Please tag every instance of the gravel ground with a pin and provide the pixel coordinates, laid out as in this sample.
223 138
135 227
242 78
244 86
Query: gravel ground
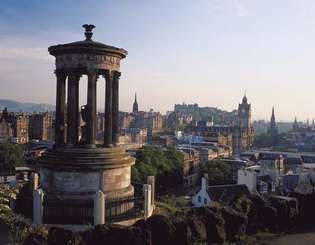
4 235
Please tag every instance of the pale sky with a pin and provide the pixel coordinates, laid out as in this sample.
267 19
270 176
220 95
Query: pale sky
203 51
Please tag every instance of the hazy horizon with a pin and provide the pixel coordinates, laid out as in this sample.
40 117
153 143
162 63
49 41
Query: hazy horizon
207 52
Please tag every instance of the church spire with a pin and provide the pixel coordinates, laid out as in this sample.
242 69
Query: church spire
135 108
273 119
273 128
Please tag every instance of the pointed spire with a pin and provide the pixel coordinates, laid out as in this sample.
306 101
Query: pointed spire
273 113
135 107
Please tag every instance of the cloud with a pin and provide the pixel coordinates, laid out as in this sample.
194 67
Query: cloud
231 7
20 52
240 8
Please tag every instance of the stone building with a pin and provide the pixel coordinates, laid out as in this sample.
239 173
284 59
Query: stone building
133 137
152 121
191 166
20 128
219 134
5 126
243 131
126 120
41 126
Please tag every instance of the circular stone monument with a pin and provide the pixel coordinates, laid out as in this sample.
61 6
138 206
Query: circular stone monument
75 169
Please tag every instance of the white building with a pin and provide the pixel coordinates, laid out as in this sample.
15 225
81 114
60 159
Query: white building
218 193
248 178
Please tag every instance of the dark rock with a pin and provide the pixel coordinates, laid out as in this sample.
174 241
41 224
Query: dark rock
24 201
162 230
197 226
115 234
35 239
306 204
60 236
286 213
182 234
235 223
214 224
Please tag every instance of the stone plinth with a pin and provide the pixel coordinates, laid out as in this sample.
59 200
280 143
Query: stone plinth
78 173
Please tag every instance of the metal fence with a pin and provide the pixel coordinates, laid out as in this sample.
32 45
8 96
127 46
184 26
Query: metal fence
68 211
120 209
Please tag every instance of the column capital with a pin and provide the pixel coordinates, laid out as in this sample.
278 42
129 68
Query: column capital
116 75
60 73
92 72
108 75
74 75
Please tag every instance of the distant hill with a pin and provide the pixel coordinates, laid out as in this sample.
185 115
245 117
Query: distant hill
15 106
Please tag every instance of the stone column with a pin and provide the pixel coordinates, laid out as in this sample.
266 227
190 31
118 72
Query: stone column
147 201
115 104
38 197
151 182
99 208
73 109
91 104
34 181
60 109
108 138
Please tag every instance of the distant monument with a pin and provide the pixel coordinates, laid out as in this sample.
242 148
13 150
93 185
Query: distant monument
74 170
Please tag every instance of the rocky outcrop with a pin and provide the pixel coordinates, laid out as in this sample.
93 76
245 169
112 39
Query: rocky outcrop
35 239
114 234
58 236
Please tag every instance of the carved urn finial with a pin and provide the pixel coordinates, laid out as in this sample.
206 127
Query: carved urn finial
88 31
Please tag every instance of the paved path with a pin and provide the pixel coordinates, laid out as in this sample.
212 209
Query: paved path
4 235
296 239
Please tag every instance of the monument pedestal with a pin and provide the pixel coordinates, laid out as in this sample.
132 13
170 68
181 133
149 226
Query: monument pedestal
71 177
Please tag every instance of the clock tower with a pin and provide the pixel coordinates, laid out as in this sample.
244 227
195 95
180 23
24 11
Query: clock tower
243 131
244 113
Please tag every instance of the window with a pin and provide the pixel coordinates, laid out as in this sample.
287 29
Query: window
205 201
199 198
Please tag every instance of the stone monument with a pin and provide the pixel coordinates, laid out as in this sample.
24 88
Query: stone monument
75 170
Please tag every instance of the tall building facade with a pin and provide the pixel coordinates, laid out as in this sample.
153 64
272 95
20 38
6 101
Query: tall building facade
20 128
5 126
243 131
41 126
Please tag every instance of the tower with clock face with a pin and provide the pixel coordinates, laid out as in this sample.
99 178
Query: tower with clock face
244 113
243 131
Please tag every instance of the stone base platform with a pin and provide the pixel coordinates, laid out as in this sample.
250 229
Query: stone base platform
71 177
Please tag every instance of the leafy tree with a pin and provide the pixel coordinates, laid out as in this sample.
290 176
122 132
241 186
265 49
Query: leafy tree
165 165
263 140
11 155
219 172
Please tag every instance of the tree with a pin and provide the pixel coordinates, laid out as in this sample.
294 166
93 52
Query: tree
219 172
263 140
11 155
165 165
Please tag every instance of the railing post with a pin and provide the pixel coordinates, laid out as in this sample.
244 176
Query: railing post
34 181
147 201
38 197
99 208
151 181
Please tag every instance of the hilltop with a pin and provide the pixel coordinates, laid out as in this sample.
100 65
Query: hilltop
16 106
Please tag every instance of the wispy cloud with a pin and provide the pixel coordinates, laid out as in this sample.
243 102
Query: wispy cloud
232 7
240 9
20 52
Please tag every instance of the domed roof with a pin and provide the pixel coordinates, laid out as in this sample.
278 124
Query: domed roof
86 46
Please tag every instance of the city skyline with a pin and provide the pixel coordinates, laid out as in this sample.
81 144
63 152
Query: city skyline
208 52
